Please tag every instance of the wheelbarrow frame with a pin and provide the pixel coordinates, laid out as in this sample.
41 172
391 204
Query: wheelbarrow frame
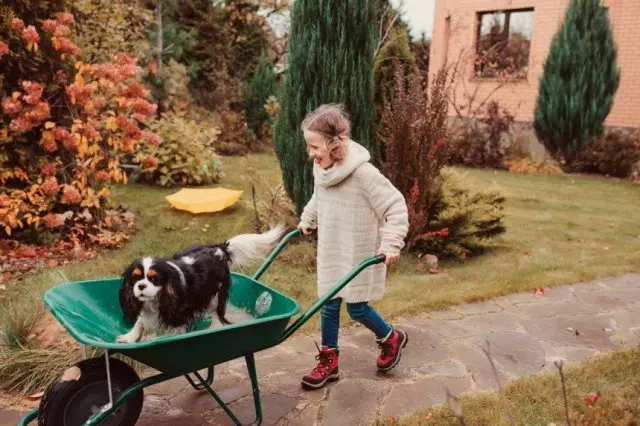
201 383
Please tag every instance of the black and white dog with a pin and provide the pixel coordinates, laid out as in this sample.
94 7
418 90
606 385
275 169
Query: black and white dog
164 296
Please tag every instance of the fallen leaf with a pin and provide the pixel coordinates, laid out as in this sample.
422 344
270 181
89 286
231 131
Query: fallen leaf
539 291
35 396
52 263
591 399
526 252
570 329
26 251
603 412
428 416
3 287
606 248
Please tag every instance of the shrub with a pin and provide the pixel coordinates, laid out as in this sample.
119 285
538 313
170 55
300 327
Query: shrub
270 203
416 146
64 125
528 165
421 50
444 218
176 97
579 81
464 223
106 26
230 39
614 154
185 156
235 138
479 139
261 86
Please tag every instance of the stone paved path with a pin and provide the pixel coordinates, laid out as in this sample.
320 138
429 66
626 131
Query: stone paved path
525 332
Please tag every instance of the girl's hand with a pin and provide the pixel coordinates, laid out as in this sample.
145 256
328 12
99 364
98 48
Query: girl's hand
306 231
390 259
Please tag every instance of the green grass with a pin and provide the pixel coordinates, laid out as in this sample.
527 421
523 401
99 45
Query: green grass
559 230
538 400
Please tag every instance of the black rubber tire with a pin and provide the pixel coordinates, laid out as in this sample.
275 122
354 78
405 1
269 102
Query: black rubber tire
90 383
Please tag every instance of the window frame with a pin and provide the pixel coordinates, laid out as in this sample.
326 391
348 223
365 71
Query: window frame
507 12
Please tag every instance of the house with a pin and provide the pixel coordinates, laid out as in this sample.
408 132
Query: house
494 38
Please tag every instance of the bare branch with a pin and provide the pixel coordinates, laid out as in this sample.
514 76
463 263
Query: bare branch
559 365
503 398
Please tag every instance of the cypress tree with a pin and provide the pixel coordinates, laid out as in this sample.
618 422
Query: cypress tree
331 49
579 82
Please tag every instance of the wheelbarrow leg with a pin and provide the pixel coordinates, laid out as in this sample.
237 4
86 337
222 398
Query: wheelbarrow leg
251 367
199 386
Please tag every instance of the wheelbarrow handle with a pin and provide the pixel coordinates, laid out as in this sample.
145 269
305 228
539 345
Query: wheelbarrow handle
276 251
330 294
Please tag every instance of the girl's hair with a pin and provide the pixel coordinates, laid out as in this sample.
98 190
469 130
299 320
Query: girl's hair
332 122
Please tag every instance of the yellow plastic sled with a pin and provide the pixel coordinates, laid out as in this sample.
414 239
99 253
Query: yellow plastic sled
205 200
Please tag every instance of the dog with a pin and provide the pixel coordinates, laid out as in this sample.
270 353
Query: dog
165 296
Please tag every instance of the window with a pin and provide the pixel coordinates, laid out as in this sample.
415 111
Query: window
503 43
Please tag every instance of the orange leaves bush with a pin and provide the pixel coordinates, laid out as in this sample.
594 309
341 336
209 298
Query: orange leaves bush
64 125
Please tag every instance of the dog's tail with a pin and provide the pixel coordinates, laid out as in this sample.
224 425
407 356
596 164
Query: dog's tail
247 247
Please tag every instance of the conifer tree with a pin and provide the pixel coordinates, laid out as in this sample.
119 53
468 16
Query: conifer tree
261 86
331 54
579 82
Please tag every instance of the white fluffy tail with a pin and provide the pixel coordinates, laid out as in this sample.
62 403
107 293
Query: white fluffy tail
247 247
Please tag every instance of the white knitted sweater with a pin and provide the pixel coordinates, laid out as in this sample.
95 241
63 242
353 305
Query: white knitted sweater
358 214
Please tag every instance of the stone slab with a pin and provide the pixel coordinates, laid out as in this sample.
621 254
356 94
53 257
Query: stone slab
516 352
469 353
406 398
352 402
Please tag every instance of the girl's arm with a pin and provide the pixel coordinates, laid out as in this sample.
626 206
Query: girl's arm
389 205
309 217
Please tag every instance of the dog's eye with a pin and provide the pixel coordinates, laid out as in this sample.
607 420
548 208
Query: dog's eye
137 273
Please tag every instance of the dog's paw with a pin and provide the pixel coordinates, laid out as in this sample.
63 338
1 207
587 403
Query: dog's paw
127 338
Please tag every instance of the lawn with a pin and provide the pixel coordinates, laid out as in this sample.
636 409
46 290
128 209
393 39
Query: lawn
560 230
538 400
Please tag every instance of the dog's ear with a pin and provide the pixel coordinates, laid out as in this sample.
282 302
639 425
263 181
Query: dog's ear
173 305
130 305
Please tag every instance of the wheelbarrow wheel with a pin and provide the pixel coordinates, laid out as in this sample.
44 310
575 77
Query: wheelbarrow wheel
82 390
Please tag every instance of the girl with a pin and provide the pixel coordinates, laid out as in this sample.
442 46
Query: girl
358 214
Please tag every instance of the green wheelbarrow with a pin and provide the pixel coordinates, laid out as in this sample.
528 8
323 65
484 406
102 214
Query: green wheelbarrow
107 391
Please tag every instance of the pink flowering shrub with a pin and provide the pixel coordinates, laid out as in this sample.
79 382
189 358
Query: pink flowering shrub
64 125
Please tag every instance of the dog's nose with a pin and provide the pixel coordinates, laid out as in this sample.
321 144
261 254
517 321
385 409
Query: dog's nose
141 287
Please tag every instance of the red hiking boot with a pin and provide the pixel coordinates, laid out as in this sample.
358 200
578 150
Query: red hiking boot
391 349
325 371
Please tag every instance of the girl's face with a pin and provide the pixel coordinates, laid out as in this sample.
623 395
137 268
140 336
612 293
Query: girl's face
317 149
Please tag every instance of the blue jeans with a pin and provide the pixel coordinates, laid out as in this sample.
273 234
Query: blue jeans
361 312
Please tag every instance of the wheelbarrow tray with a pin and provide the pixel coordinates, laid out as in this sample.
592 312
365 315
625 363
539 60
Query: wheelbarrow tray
90 311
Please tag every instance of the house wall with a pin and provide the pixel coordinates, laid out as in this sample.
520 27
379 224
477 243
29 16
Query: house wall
454 36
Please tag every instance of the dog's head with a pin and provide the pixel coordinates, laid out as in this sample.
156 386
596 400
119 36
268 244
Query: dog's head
150 280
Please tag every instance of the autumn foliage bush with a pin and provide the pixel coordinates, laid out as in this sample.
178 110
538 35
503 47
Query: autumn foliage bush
479 140
414 131
616 154
184 157
445 218
64 124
